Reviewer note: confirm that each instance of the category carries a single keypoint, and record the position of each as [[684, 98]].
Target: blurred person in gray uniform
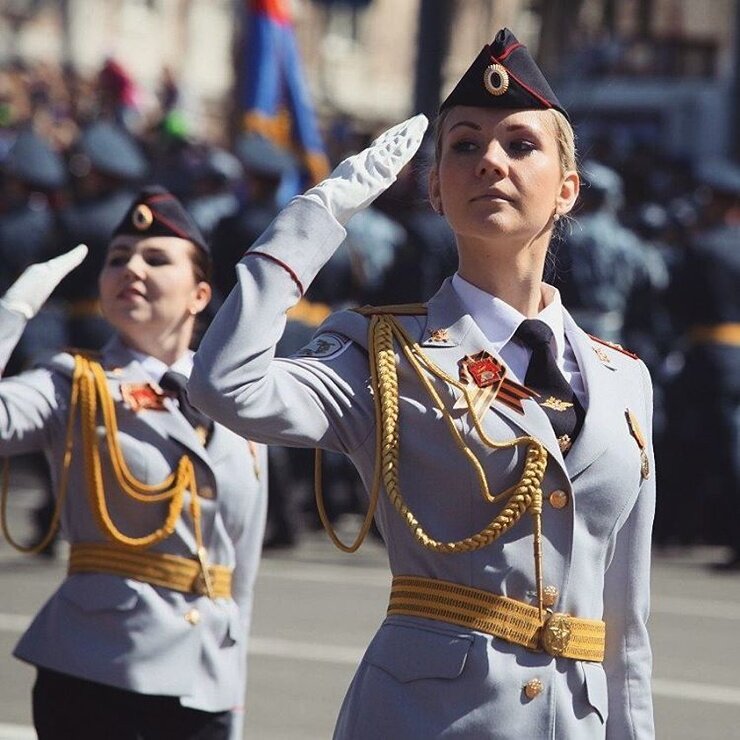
[[599, 264], [462, 415], [32, 175], [107, 165], [164, 511], [704, 399], [216, 175], [428, 254], [264, 165]]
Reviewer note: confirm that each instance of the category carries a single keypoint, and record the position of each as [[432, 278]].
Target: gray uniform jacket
[[421, 678], [122, 632]]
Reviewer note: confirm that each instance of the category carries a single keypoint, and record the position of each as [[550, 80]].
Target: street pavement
[[316, 609]]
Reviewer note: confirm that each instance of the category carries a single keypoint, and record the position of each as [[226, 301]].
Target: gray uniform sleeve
[[628, 660], [236, 378], [29, 402]]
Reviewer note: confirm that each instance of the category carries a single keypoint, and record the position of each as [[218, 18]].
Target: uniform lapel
[[121, 366], [462, 336], [591, 442]]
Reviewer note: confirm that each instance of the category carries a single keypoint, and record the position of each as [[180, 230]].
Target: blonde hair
[[559, 126]]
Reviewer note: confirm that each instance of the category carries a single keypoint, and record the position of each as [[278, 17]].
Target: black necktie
[[543, 375], [174, 383]]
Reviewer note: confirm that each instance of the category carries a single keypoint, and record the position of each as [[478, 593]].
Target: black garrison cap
[[156, 212], [504, 75]]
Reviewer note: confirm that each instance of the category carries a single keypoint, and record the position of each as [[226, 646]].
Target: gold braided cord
[[383, 329], [377, 477], [89, 394], [94, 387], [525, 495], [46, 540], [128, 482]]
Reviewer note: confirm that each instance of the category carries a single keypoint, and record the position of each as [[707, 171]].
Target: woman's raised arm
[[236, 379]]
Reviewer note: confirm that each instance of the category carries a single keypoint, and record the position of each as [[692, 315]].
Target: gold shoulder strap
[[525, 495]]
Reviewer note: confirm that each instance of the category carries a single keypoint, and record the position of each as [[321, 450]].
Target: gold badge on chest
[[636, 432], [485, 379], [142, 397], [556, 404]]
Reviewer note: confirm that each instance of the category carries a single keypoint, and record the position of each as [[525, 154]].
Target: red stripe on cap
[[539, 97], [282, 264], [182, 234], [160, 196], [508, 50]]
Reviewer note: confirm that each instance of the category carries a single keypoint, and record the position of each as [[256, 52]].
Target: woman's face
[[499, 173], [147, 286]]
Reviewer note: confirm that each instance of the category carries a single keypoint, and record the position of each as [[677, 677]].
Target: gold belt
[[156, 568], [561, 635], [727, 333]]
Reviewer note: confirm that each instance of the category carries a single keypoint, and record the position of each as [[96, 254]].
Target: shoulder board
[[615, 346], [401, 309]]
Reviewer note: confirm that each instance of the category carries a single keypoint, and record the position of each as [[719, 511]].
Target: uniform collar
[[155, 368], [498, 320]]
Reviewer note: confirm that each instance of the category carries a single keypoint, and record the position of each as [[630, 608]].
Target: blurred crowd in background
[[649, 260]]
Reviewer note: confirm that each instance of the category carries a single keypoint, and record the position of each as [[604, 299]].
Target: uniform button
[[533, 688], [205, 492], [550, 596], [558, 499], [192, 616]]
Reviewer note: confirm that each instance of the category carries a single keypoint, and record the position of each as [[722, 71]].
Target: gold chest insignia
[[485, 379], [636, 432], [142, 397], [439, 335], [556, 404], [603, 355], [564, 442]]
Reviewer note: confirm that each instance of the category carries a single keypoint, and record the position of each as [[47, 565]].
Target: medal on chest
[[142, 397], [484, 378], [636, 432]]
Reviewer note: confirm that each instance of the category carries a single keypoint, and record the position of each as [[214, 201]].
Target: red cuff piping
[[282, 264]]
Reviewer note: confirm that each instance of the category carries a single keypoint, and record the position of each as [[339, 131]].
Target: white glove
[[37, 282], [360, 179]]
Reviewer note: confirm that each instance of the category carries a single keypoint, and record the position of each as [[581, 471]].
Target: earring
[[556, 218]]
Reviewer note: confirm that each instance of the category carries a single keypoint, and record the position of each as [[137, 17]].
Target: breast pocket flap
[[413, 653]]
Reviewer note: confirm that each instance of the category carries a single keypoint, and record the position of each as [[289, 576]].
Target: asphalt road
[[316, 609]]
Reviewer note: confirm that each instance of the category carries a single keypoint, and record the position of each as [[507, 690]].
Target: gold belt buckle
[[556, 634]]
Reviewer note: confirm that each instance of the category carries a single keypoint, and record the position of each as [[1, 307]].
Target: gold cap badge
[[142, 217], [496, 79]]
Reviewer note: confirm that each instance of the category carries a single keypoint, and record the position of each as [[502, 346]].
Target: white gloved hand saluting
[[37, 282], [360, 179]]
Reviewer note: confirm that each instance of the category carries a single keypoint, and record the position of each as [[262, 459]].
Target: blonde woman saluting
[[506, 453]]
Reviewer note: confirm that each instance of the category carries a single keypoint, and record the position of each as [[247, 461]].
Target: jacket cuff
[[301, 239]]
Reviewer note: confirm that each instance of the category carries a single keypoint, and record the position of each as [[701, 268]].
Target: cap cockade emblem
[[142, 217], [496, 79]]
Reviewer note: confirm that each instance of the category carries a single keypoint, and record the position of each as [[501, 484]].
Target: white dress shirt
[[155, 368], [498, 321]]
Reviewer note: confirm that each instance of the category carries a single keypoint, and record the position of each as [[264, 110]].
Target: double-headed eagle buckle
[[556, 634]]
